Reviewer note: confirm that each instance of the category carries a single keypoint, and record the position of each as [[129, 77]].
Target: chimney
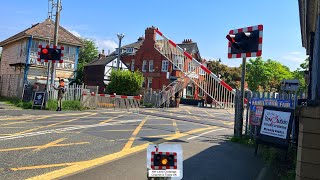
[[187, 41], [150, 35], [141, 38], [102, 55]]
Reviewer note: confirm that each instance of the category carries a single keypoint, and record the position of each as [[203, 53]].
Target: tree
[[231, 75], [125, 82], [299, 74], [266, 75], [88, 52]]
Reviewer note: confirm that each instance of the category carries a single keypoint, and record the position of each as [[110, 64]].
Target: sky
[[206, 22]]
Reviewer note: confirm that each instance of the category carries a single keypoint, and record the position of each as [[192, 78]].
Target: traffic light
[[166, 160], [245, 42], [47, 53]]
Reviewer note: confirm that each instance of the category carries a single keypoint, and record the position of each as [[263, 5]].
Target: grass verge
[[51, 105]]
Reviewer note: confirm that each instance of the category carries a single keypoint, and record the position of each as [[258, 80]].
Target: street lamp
[[120, 36]]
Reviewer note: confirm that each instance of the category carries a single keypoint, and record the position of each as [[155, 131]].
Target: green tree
[[125, 82], [88, 52], [299, 74], [257, 74], [231, 75]]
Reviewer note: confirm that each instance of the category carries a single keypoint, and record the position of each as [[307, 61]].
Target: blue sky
[[206, 22]]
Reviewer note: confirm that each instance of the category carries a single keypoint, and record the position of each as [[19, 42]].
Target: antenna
[[51, 5]]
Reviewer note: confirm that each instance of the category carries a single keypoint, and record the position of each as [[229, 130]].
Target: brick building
[[19, 66], [157, 69]]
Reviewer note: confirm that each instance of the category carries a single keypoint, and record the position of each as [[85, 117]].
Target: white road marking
[[193, 137], [64, 129]]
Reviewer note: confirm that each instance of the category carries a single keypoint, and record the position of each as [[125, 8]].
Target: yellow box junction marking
[[82, 165], [175, 126], [51, 144], [134, 134]]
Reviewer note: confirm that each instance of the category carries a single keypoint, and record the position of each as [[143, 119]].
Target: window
[[132, 65], [178, 62], [149, 83], [191, 66], [129, 50], [201, 70], [144, 66], [151, 69], [165, 66]]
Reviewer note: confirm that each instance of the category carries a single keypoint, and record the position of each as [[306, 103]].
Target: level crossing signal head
[[163, 160], [48, 53], [245, 42]]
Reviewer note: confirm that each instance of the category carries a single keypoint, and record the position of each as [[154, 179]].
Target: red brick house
[[157, 70]]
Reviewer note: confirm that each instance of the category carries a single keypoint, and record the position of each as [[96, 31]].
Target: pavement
[[111, 144]]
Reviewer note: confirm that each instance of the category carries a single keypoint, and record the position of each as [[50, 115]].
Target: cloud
[[75, 33], [106, 44], [294, 57]]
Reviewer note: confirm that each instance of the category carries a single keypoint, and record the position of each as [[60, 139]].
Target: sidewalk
[[202, 161]]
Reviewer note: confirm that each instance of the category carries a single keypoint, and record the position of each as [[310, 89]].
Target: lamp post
[[120, 36]]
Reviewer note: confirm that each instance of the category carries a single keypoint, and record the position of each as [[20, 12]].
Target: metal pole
[[56, 36], [120, 36], [119, 52], [240, 124]]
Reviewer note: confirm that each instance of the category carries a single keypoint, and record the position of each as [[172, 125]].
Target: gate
[[219, 91]]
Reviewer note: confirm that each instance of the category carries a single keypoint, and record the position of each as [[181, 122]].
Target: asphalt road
[[34, 143], [52, 146]]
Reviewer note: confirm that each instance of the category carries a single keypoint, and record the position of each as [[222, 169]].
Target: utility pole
[[120, 36], [56, 36]]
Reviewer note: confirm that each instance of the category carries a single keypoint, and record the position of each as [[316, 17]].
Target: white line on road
[[193, 137], [64, 129]]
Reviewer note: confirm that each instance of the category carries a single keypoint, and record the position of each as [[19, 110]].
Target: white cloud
[[294, 57], [106, 44], [75, 33]]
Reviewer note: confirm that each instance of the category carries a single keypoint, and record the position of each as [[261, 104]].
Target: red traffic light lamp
[[44, 51]]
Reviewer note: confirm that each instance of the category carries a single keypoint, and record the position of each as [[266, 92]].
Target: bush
[[124, 82]]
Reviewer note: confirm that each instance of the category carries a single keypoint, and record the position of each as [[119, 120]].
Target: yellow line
[[158, 124], [118, 130], [50, 144], [102, 122], [174, 122], [50, 125], [12, 127], [134, 134], [188, 111], [20, 122], [208, 113], [35, 147], [41, 166], [80, 166], [35, 116], [165, 135]]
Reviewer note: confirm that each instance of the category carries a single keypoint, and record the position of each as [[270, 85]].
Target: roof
[[134, 45], [40, 31], [191, 48], [102, 61]]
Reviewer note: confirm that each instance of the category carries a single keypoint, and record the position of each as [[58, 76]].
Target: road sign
[[245, 42], [165, 160], [38, 99]]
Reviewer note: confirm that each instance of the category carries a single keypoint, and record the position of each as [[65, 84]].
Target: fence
[[73, 92], [9, 84], [111, 101]]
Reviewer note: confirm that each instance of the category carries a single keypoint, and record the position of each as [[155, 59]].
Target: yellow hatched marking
[[134, 134]]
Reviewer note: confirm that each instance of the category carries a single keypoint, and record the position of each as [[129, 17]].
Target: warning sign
[[275, 123]]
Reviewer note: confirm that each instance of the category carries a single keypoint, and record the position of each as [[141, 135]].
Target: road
[[52, 146]]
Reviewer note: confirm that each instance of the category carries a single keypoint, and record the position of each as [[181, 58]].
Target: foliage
[[51, 105], [266, 75], [66, 105], [231, 75], [88, 52], [244, 140], [125, 82], [16, 102]]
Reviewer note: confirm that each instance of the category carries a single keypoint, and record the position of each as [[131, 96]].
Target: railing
[[220, 92], [73, 92]]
